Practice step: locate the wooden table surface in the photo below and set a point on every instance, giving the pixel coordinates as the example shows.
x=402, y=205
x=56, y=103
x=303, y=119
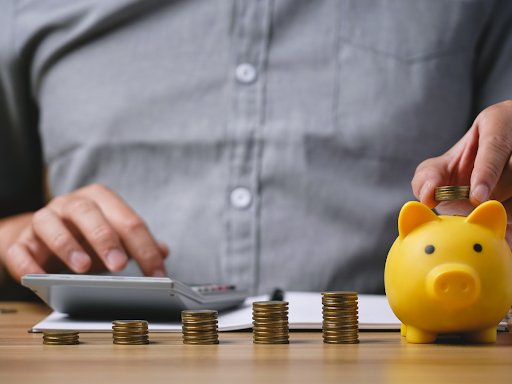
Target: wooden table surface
x=379, y=357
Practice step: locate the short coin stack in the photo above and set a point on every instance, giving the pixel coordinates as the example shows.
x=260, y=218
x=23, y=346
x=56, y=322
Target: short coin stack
x=452, y=193
x=130, y=332
x=270, y=325
x=199, y=326
x=340, y=325
x=60, y=337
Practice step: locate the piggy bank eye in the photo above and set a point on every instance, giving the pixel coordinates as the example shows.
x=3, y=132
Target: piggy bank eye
x=477, y=247
x=429, y=249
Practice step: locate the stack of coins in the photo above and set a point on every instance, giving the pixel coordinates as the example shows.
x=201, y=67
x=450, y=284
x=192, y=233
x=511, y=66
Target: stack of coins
x=452, y=193
x=199, y=326
x=509, y=320
x=340, y=325
x=130, y=332
x=60, y=337
x=270, y=325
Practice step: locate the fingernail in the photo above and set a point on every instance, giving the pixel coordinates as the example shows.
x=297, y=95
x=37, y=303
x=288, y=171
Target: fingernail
x=80, y=260
x=116, y=260
x=424, y=188
x=159, y=273
x=481, y=193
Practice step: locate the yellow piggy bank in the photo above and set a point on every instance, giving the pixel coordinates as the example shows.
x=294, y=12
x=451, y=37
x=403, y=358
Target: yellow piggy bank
x=450, y=274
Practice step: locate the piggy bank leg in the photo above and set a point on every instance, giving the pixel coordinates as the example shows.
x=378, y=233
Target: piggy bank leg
x=403, y=330
x=487, y=335
x=419, y=336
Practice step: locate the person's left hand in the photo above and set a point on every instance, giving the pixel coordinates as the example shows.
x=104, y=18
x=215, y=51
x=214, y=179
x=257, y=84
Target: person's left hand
x=481, y=159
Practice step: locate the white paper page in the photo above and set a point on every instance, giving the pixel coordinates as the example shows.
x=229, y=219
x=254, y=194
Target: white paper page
x=305, y=312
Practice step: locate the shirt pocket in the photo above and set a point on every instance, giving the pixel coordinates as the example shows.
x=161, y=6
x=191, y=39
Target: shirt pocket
x=405, y=75
x=410, y=30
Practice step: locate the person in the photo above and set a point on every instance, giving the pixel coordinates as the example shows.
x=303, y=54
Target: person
x=269, y=143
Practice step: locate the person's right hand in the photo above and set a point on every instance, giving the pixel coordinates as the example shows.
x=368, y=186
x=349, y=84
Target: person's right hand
x=90, y=229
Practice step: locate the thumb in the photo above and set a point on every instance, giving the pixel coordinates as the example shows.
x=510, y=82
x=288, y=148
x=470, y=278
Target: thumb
x=494, y=147
x=430, y=174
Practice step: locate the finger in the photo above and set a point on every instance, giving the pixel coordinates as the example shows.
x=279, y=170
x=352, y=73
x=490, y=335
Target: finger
x=19, y=262
x=507, y=204
x=452, y=168
x=508, y=235
x=132, y=230
x=88, y=218
x=494, y=147
x=430, y=174
x=48, y=226
x=37, y=248
x=503, y=190
x=164, y=249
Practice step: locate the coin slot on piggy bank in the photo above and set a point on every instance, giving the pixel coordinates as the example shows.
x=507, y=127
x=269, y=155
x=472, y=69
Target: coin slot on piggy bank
x=450, y=274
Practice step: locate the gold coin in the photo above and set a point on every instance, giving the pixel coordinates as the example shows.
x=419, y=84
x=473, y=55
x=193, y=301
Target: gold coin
x=274, y=303
x=199, y=312
x=131, y=337
x=129, y=330
x=339, y=294
x=341, y=337
x=58, y=338
x=120, y=342
x=8, y=310
x=201, y=342
x=206, y=321
x=271, y=342
x=339, y=325
x=130, y=334
x=202, y=334
x=206, y=337
x=339, y=306
x=337, y=303
x=270, y=329
x=57, y=332
x=341, y=318
x=344, y=317
x=71, y=342
x=199, y=330
x=341, y=342
x=340, y=329
x=448, y=193
x=339, y=310
x=270, y=336
x=130, y=323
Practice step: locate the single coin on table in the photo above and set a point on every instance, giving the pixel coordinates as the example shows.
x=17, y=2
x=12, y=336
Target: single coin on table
x=8, y=310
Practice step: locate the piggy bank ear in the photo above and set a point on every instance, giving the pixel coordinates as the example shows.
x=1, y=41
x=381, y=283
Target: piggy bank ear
x=492, y=215
x=412, y=215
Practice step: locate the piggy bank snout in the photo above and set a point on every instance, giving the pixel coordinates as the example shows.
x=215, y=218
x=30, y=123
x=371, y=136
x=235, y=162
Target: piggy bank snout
x=453, y=285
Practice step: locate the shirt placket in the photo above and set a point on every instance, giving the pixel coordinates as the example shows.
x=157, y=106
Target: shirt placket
x=250, y=32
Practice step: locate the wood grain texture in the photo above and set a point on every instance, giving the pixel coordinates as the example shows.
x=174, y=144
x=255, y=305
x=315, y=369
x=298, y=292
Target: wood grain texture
x=381, y=357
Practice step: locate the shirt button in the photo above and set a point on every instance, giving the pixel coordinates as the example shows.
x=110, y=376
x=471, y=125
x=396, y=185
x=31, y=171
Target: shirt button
x=240, y=197
x=245, y=73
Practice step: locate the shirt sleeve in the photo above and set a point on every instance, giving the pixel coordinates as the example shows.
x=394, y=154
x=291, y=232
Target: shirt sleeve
x=494, y=65
x=20, y=149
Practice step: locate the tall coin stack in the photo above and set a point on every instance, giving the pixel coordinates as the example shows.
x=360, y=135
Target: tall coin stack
x=199, y=326
x=60, y=337
x=130, y=332
x=340, y=325
x=452, y=193
x=270, y=325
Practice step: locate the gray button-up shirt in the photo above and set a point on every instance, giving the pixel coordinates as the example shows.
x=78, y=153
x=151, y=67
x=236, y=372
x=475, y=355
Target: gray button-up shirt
x=269, y=143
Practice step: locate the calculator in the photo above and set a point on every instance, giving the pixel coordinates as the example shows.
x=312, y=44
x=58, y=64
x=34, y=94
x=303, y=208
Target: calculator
x=91, y=296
